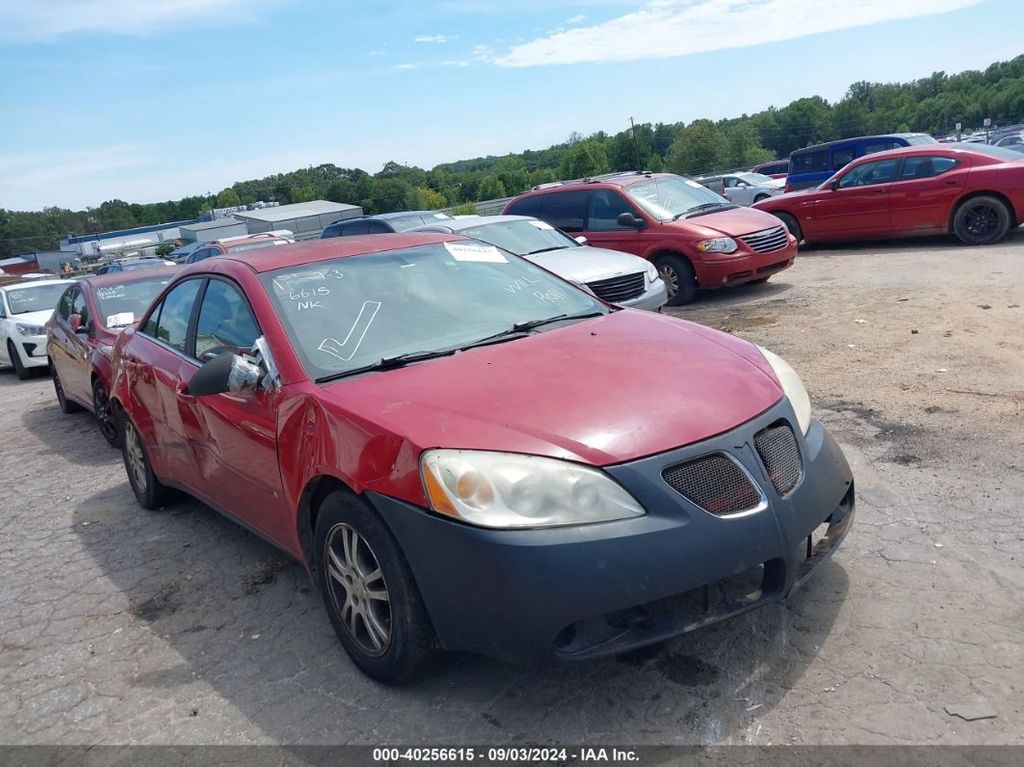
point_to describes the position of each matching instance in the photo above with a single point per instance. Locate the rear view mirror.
(630, 220)
(225, 373)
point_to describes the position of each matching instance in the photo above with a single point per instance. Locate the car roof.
(616, 179)
(459, 224)
(312, 251)
(826, 144)
(120, 278)
(35, 284)
(946, 150)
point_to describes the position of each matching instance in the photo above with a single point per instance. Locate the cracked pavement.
(121, 626)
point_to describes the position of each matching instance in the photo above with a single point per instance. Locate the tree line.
(931, 105)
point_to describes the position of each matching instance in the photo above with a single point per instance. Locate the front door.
(858, 206)
(603, 229)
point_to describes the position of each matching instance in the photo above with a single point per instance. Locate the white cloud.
(433, 39)
(577, 19)
(664, 28)
(56, 18)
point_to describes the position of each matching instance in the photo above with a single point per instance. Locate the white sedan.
(24, 309)
(744, 188)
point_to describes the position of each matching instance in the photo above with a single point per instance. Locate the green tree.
(428, 199)
(228, 198)
(701, 147)
(490, 188)
(584, 159)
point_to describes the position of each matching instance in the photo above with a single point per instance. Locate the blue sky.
(148, 100)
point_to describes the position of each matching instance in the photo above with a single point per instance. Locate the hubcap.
(101, 405)
(670, 278)
(358, 589)
(981, 221)
(136, 458)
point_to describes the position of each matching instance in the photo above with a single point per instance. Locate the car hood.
(781, 199)
(586, 264)
(600, 391)
(33, 318)
(734, 223)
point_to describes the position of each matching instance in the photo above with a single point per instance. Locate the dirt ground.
(119, 625)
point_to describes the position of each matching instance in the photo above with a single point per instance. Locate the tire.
(65, 405)
(982, 220)
(20, 370)
(149, 491)
(677, 273)
(390, 639)
(759, 198)
(791, 224)
(104, 414)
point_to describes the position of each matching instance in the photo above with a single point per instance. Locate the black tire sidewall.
(994, 202)
(154, 495)
(792, 225)
(66, 406)
(685, 279)
(412, 637)
(116, 440)
(20, 370)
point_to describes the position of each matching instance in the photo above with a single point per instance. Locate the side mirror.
(834, 184)
(630, 220)
(225, 373)
(581, 240)
(75, 321)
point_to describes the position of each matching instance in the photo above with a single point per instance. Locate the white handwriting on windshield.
(520, 283)
(346, 350)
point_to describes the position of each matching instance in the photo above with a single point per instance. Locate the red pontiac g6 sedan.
(975, 191)
(81, 333)
(441, 432)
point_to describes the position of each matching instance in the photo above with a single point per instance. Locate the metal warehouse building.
(208, 231)
(304, 219)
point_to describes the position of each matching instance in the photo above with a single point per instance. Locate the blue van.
(810, 166)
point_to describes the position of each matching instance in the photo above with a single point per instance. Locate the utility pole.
(636, 146)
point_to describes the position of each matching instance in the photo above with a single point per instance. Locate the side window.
(79, 307)
(808, 162)
(566, 210)
(377, 227)
(172, 327)
(225, 322)
(205, 253)
(880, 146)
(528, 206)
(843, 156)
(869, 173)
(605, 207)
(65, 303)
(925, 167)
(334, 230)
(356, 227)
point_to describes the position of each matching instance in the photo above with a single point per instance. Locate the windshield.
(672, 196)
(920, 138)
(523, 237)
(255, 245)
(352, 312)
(39, 298)
(135, 266)
(121, 304)
(756, 179)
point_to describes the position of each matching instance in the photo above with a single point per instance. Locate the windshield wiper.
(389, 363)
(703, 207)
(522, 329)
(546, 250)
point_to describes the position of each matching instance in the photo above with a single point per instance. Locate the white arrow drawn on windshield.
(346, 350)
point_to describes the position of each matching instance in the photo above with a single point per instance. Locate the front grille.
(781, 457)
(715, 483)
(623, 288)
(767, 240)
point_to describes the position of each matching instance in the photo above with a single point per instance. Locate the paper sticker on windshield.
(440, 215)
(120, 320)
(694, 184)
(465, 251)
(541, 224)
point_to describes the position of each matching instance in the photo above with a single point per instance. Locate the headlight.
(508, 490)
(29, 330)
(792, 386)
(718, 245)
(652, 273)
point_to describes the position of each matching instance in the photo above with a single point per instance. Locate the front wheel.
(20, 370)
(104, 414)
(680, 281)
(149, 491)
(65, 405)
(981, 221)
(791, 224)
(369, 592)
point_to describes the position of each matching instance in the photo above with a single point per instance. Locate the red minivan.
(696, 238)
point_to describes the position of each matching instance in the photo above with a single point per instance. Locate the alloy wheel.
(670, 278)
(358, 590)
(136, 457)
(981, 220)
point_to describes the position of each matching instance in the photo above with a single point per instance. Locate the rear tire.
(791, 224)
(20, 370)
(65, 405)
(369, 592)
(982, 220)
(759, 198)
(680, 281)
(104, 415)
(149, 491)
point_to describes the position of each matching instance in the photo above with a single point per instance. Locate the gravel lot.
(124, 626)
